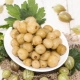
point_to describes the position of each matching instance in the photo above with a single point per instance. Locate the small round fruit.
(20, 38)
(22, 28)
(48, 27)
(35, 55)
(51, 35)
(15, 50)
(69, 62)
(64, 70)
(27, 62)
(30, 19)
(27, 46)
(40, 49)
(59, 8)
(28, 75)
(56, 43)
(48, 43)
(52, 61)
(22, 53)
(35, 64)
(33, 27)
(63, 77)
(14, 77)
(61, 49)
(16, 24)
(57, 33)
(65, 16)
(56, 54)
(44, 78)
(28, 37)
(41, 32)
(14, 42)
(45, 56)
(14, 33)
(43, 64)
(1, 8)
(6, 73)
(14, 66)
(36, 40)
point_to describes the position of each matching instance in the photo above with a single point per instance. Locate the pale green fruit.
(69, 62)
(58, 8)
(6, 73)
(64, 70)
(63, 77)
(28, 75)
(14, 77)
(65, 16)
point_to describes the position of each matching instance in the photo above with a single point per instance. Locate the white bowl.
(8, 48)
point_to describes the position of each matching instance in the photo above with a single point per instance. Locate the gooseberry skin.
(48, 27)
(48, 43)
(28, 37)
(59, 8)
(30, 19)
(65, 16)
(28, 75)
(64, 70)
(27, 62)
(63, 77)
(14, 77)
(69, 62)
(6, 73)
(40, 49)
(35, 64)
(36, 40)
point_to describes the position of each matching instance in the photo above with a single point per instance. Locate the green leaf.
(76, 29)
(3, 53)
(1, 42)
(73, 52)
(5, 26)
(10, 21)
(27, 9)
(78, 66)
(1, 36)
(14, 11)
(33, 7)
(40, 13)
(41, 21)
(23, 14)
(24, 5)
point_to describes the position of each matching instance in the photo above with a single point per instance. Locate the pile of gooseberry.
(36, 46)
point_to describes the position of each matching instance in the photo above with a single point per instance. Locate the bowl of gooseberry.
(35, 47)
